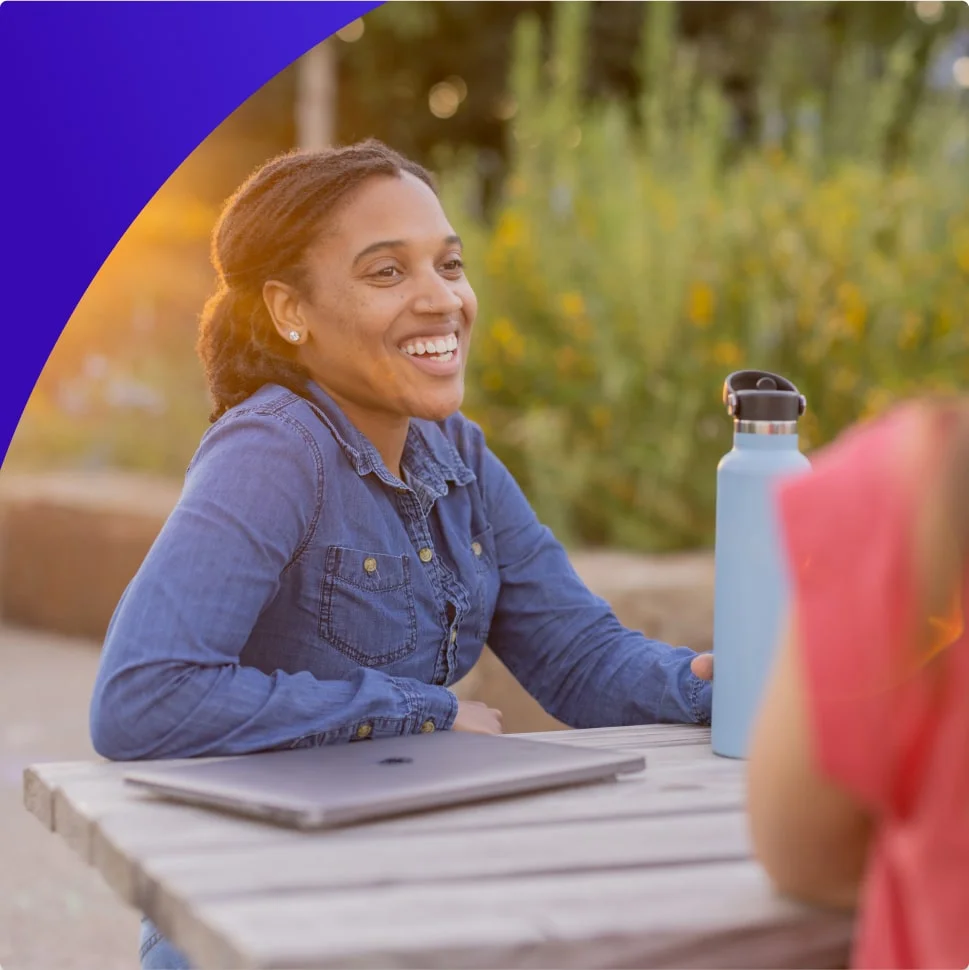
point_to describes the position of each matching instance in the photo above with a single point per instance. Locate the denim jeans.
(156, 953)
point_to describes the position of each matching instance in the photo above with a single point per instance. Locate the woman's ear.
(285, 309)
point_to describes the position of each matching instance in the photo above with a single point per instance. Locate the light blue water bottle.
(750, 584)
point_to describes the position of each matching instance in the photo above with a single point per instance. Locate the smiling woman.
(346, 542)
(368, 309)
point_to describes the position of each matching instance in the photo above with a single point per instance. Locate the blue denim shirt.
(301, 594)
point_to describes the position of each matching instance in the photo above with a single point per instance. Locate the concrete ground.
(55, 912)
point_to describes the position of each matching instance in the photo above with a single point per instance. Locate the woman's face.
(386, 323)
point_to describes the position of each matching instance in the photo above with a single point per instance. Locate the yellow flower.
(572, 304)
(726, 353)
(504, 333)
(854, 308)
(502, 330)
(601, 418)
(911, 330)
(876, 401)
(565, 360)
(510, 232)
(700, 305)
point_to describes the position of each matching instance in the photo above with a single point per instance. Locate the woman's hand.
(702, 666)
(477, 718)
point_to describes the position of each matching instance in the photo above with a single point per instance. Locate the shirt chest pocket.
(367, 609)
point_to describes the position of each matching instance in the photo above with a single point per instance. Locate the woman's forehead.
(399, 208)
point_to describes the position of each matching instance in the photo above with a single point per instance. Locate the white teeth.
(441, 348)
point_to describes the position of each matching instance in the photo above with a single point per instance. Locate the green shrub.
(637, 257)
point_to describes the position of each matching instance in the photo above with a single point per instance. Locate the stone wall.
(70, 543)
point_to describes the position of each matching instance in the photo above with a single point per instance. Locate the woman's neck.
(386, 432)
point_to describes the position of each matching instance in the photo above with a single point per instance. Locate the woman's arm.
(563, 643)
(843, 702)
(170, 683)
(811, 836)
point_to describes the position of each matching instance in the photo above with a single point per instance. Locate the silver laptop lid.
(359, 781)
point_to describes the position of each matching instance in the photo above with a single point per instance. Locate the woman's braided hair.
(262, 234)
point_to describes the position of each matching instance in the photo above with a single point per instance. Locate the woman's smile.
(434, 354)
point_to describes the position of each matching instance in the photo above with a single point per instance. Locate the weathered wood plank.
(82, 802)
(67, 797)
(38, 796)
(645, 917)
(658, 742)
(341, 864)
(41, 781)
(123, 838)
(642, 735)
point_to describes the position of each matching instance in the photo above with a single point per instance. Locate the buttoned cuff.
(701, 699)
(430, 708)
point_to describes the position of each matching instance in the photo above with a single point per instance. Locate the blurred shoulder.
(896, 444)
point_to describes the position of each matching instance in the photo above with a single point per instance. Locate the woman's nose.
(438, 297)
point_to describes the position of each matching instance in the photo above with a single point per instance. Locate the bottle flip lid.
(757, 395)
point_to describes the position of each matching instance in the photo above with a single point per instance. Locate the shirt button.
(364, 731)
(370, 564)
(454, 635)
(427, 727)
(476, 548)
(426, 555)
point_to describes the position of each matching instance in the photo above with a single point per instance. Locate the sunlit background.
(651, 195)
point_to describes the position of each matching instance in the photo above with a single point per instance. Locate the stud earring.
(294, 336)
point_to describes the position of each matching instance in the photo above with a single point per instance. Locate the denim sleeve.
(563, 643)
(170, 682)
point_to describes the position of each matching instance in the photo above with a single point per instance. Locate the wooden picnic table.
(652, 870)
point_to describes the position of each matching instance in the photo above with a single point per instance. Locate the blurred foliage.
(386, 76)
(667, 192)
(636, 259)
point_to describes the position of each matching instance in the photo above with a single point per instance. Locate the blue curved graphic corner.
(99, 104)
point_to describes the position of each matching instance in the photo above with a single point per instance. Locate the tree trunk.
(316, 98)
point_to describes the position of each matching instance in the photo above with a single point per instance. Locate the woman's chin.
(439, 405)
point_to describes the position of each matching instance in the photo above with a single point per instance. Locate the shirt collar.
(428, 453)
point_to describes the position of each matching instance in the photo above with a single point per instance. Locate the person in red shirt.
(859, 765)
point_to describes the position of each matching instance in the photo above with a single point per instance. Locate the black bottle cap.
(757, 395)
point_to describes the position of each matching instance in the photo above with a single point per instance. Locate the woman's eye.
(386, 273)
(453, 265)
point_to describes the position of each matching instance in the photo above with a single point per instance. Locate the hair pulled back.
(262, 234)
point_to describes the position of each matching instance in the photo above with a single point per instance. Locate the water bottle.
(750, 582)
